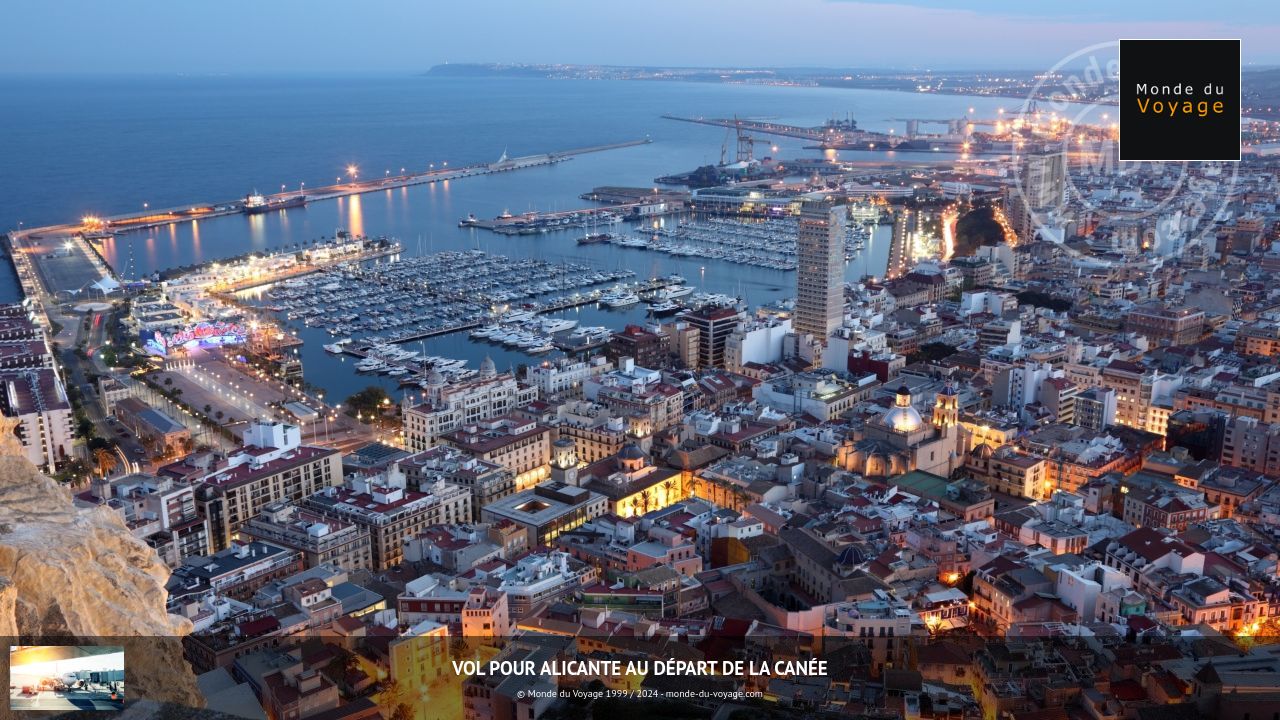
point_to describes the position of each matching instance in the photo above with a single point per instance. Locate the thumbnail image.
(66, 677)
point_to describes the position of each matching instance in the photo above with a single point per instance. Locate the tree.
(343, 662)
(1039, 299)
(74, 471)
(931, 352)
(105, 460)
(218, 415)
(977, 228)
(694, 485)
(168, 381)
(368, 401)
(208, 408)
(391, 694)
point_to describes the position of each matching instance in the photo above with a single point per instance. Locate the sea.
(76, 146)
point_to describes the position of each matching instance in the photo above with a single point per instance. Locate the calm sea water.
(106, 146)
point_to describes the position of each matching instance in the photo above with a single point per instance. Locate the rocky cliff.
(70, 574)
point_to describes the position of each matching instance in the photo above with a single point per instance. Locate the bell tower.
(564, 461)
(946, 411)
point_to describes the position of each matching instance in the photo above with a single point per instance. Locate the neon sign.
(203, 334)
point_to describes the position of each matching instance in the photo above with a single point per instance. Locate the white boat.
(555, 325)
(664, 307)
(671, 292)
(620, 300)
(334, 348)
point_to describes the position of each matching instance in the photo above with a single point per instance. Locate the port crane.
(746, 144)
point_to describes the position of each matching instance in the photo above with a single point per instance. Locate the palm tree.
(105, 460)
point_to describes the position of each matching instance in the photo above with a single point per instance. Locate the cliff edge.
(76, 575)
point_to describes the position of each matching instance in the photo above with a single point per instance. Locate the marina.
(422, 296)
(503, 300)
(538, 223)
(768, 243)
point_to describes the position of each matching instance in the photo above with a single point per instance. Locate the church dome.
(435, 377)
(903, 419)
(851, 555)
(631, 451)
(487, 368)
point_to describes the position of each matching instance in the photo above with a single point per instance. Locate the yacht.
(671, 292)
(664, 307)
(618, 300)
(555, 325)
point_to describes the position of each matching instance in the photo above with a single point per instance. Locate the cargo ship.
(593, 238)
(255, 203)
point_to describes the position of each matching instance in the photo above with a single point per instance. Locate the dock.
(824, 137)
(567, 303)
(37, 241)
(310, 268)
(152, 218)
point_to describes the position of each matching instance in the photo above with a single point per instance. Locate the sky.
(245, 37)
(56, 668)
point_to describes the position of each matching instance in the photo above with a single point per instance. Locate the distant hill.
(1261, 90)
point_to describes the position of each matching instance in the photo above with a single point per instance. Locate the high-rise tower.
(820, 274)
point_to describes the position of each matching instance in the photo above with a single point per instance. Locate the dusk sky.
(323, 36)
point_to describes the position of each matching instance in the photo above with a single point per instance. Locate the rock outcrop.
(76, 575)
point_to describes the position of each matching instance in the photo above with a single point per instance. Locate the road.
(132, 457)
(68, 700)
(241, 393)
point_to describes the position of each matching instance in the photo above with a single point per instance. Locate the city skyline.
(641, 361)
